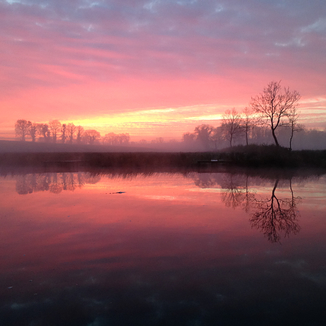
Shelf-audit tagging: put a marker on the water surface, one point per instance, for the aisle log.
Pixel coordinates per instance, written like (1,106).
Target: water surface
(162,249)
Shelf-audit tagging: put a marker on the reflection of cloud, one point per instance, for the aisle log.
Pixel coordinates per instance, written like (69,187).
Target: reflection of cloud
(160,197)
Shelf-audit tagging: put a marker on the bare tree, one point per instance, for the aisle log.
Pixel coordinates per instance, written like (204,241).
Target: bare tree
(44,131)
(125,138)
(293,117)
(54,126)
(247,123)
(109,138)
(231,125)
(34,130)
(22,128)
(63,133)
(80,132)
(91,136)
(274,104)
(71,130)
(116,139)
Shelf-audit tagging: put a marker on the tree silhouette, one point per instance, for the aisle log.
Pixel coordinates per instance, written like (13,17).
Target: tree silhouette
(231,125)
(247,123)
(273,105)
(54,126)
(293,117)
(203,134)
(71,130)
(80,132)
(34,130)
(91,136)
(188,138)
(22,128)
(63,133)
(44,131)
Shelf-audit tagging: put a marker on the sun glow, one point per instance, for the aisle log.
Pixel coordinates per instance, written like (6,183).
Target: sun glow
(152,121)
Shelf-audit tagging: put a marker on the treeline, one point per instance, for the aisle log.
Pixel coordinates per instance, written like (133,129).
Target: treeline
(209,137)
(56,132)
(271,117)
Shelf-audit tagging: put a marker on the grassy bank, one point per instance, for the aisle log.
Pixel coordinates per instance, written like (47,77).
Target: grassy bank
(243,156)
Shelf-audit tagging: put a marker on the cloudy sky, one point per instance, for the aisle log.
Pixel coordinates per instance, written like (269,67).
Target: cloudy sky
(156,67)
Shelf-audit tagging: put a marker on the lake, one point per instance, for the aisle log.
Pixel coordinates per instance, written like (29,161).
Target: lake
(95,249)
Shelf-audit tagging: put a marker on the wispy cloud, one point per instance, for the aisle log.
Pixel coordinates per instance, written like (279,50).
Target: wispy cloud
(131,54)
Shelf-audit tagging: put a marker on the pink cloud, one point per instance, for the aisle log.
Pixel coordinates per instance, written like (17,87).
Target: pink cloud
(82,58)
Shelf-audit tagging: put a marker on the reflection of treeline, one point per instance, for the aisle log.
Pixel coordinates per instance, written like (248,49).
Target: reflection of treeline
(273,214)
(53,182)
(55,132)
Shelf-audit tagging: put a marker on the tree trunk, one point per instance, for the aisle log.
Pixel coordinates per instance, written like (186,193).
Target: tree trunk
(292,132)
(275,139)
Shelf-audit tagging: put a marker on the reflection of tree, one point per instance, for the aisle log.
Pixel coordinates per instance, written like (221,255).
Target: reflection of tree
(53,182)
(273,215)
(276,215)
(23,186)
(55,188)
(234,193)
(91,178)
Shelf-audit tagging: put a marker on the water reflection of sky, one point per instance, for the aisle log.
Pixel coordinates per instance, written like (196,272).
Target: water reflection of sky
(160,249)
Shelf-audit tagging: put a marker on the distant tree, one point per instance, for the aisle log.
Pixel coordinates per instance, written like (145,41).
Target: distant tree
(34,130)
(54,126)
(273,105)
(158,140)
(188,137)
(80,132)
(218,137)
(63,133)
(293,117)
(203,134)
(44,131)
(124,138)
(231,125)
(71,130)
(91,136)
(109,138)
(22,128)
(261,135)
(247,123)
(116,139)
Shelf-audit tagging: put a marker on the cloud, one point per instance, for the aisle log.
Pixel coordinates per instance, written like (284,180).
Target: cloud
(56,44)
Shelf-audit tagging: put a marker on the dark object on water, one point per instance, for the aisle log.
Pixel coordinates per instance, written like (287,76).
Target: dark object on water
(213,162)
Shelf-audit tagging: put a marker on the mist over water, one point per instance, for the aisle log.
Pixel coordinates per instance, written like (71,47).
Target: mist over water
(94,248)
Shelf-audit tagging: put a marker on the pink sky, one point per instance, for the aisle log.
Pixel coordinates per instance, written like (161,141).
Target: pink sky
(156,68)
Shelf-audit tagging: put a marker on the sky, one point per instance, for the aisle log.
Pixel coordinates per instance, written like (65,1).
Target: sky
(156,68)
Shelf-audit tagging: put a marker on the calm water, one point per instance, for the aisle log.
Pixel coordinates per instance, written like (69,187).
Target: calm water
(162,249)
